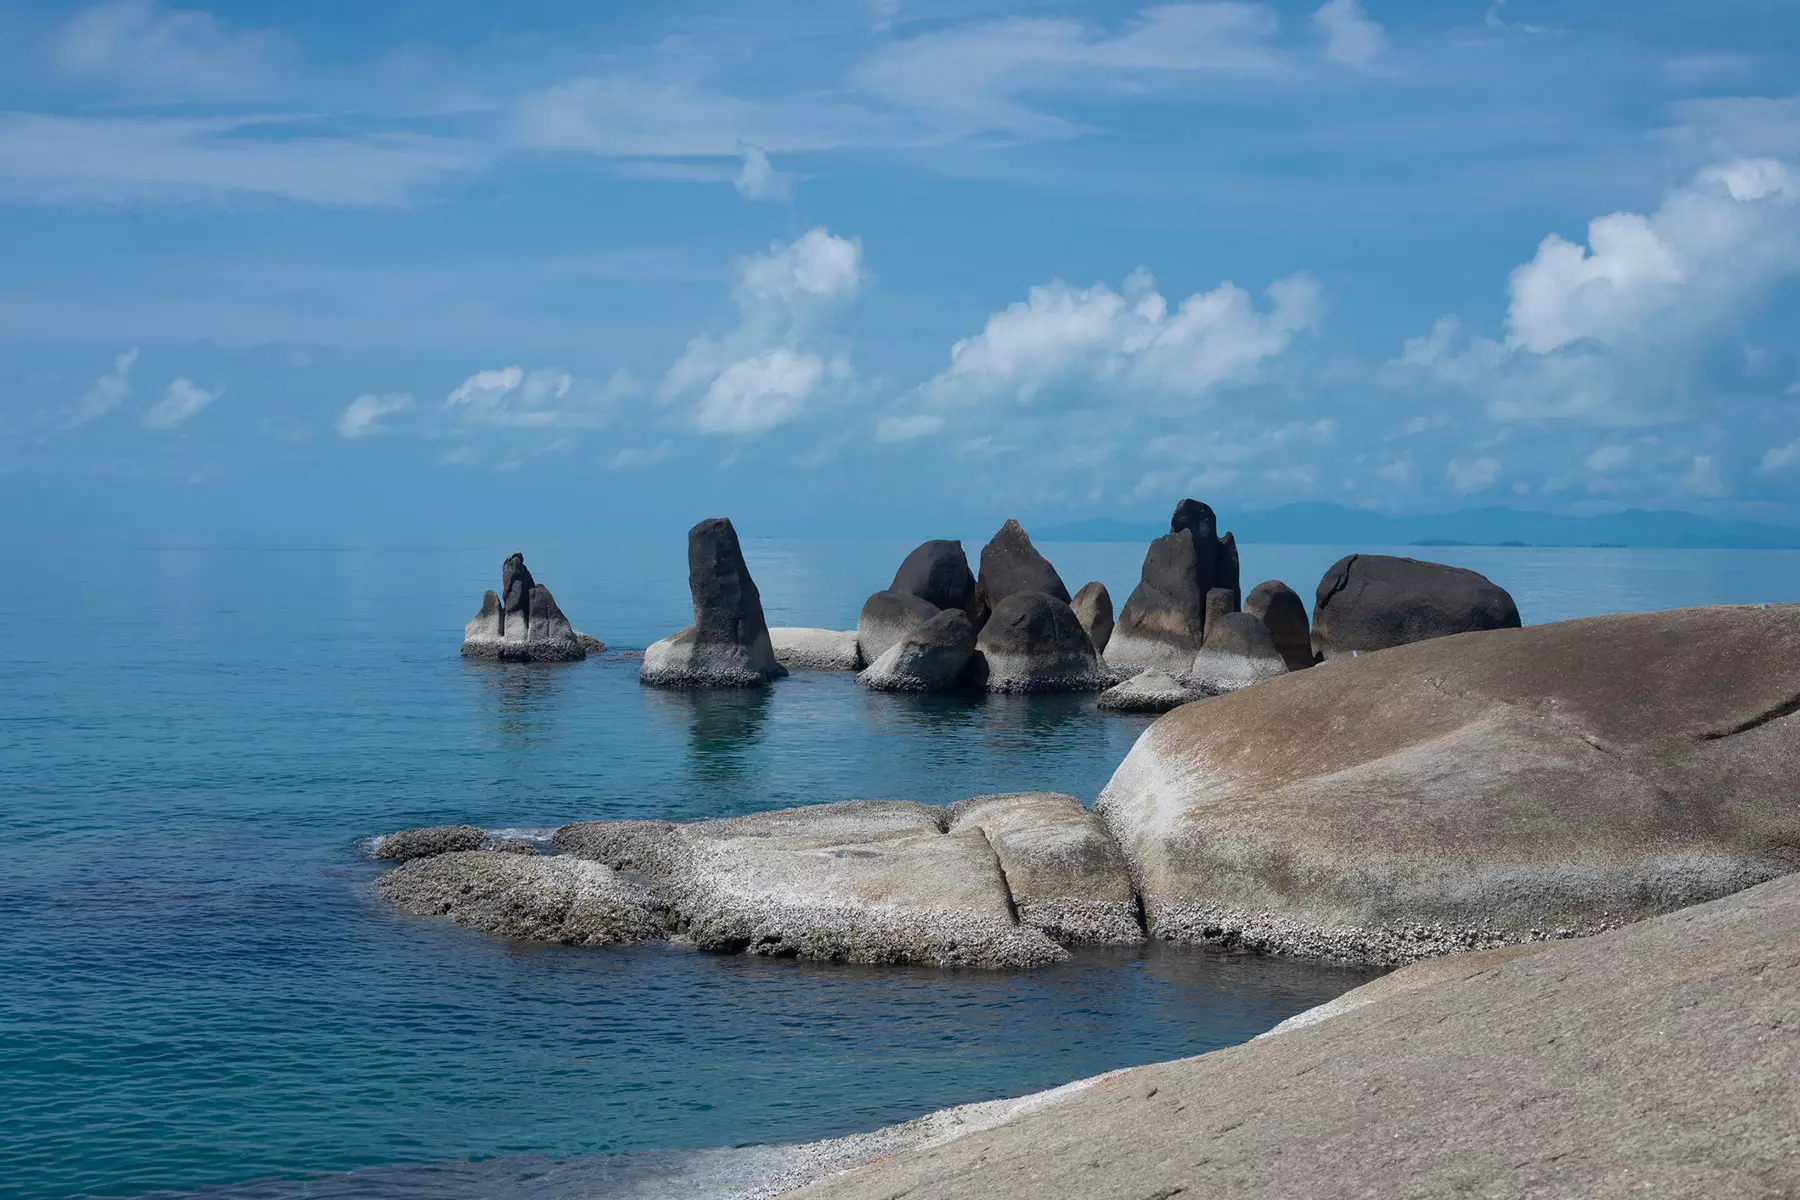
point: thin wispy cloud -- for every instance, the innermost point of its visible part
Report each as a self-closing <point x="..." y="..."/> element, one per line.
<point x="182" y="400"/>
<point x="144" y="46"/>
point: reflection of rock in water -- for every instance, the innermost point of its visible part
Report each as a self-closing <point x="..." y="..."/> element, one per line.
<point x="520" y="698"/>
<point x="724" y="725"/>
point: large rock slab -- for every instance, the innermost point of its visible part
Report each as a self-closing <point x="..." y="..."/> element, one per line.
<point x="872" y="881"/>
<point x="1010" y="564"/>
<point x="938" y="573"/>
<point x="887" y="617"/>
<point x="409" y="844"/>
<point x="1659" y="1060"/>
<point x="728" y="644"/>
<point x="815" y="649"/>
<point x="935" y="657"/>
<point x="1475" y="790"/>
<point x="526" y="897"/>
<point x="1238" y="652"/>
<point x="1063" y="870"/>
<point x="1373" y="601"/>
<point x="1163" y="623"/>
<point x="1094" y="609"/>
<point x="1033" y="642"/>
<point x="1281" y="610"/>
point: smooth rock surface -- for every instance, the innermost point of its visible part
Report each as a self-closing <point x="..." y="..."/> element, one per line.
<point x="887" y="617"/>
<point x="938" y="573"/>
<point x="409" y="844"/>
<point x="935" y="657"/>
<point x="1149" y="692"/>
<point x="1094" y="609"/>
<point x="1369" y="602"/>
<point x="1282" y="611"/>
<point x="1473" y="791"/>
<point x="1660" y="1060"/>
<point x="815" y="649"/>
<point x="1032" y="642"/>
<point x="529" y="898"/>
<point x="1063" y="869"/>
<point x="1238" y="652"/>
<point x="1163" y="623"/>
<point x="728" y="644"/>
<point x="1010" y="564"/>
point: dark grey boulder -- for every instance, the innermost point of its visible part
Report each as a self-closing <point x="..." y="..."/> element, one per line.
<point x="1283" y="613"/>
<point x="1373" y="601"/>
<point x="1010" y="564"/>
<point x="728" y="644"/>
<point x="1094" y="609"/>
<point x="1163" y="623"/>
<point x="522" y="623"/>
<point x="1033" y="642"/>
<point x="1239" y="651"/>
<point x="938" y="572"/>
<point x="887" y="617"/>
<point x="1219" y="601"/>
<point x="409" y="844"/>
<point x="935" y="657"/>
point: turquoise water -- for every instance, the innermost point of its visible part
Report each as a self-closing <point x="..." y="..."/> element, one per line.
<point x="197" y="990"/>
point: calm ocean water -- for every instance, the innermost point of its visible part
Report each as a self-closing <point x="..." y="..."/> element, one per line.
<point x="197" y="990"/>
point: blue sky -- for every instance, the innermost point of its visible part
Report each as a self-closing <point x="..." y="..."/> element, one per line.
<point x="434" y="266"/>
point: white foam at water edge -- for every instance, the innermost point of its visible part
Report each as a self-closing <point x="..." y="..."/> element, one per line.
<point x="539" y="835"/>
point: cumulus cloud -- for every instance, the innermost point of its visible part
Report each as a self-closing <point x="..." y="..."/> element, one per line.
<point x="544" y="398"/>
<point x="181" y="401"/>
<point x="780" y="360"/>
<point x="141" y="44"/>
<point x="1472" y="476"/>
<point x="1351" y="37"/>
<point x="1780" y="458"/>
<point x="759" y="180"/>
<point x="1064" y="342"/>
<point x="105" y="394"/>
<point x="363" y="416"/>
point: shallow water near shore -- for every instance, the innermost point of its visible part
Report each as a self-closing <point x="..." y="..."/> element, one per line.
<point x="198" y="991"/>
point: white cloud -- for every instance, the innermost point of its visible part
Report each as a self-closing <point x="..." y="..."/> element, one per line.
<point x="1474" y="476"/>
<point x="544" y="398"/>
<point x="778" y="361"/>
<point x="1703" y="478"/>
<point x="1095" y="341"/>
<point x="182" y="399"/>
<point x="1351" y="37"/>
<point x="141" y="44"/>
<point x="116" y="160"/>
<point x="1609" y="458"/>
<point x="759" y="180"/>
<point x="635" y="456"/>
<point x="905" y="428"/>
<point x="1780" y="458"/>
<point x="107" y="393"/>
<point x="363" y="416"/>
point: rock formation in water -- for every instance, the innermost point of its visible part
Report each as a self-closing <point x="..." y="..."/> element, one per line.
<point x="887" y="617"/>
<point x="1372" y="601"/>
<point x="1471" y="791"/>
<point x="728" y="644"/>
<point x="409" y="844"/>
<point x="938" y="573"/>
<point x="1094" y="609"/>
<point x="525" y="897"/>
<point x="815" y="649"/>
<point x="522" y="623"/>
<point x="1239" y="651"/>
<point x="935" y="657"/>
<point x="1282" y="611"/>
<point x="1150" y="691"/>
<point x="1032" y="642"/>
<point x="1010" y="564"/>
<point x="1163" y="623"/>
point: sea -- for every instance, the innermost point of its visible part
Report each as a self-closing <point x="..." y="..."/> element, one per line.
<point x="199" y="994"/>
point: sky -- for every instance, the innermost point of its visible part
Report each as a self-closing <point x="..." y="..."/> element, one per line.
<point x="882" y="263"/>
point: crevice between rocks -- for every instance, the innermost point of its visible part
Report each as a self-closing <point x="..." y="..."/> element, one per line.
<point x="1786" y="708"/>
<point x="1000" y="866"/>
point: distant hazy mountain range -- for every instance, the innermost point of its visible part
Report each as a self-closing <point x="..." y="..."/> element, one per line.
<point x="1314" y="522"/>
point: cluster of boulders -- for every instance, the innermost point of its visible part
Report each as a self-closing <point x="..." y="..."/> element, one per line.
<point x="521" y="623"/>
<point x="1461" y="792"/>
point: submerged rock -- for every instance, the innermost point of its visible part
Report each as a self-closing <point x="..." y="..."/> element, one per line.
<point x="935" y="657"/>
<point x="1283" y="613"/>
<point x="887" y="617"/>
<point x="1163" y="623"/>
<point x="1239" y="651"/>
<point x="555" y="899"/>
<point x="1473" y="791"/>
<point x="421" y="843"/>
<point x="1063" y="869"/>
<point x="1011" y="565"/>
<point x="815" y="649"/>
<point x="1150" y="692"/>
<point x="1372" y="601"/>
<point x="1094" y="609"/>
<point x="728" y="644"/>
<point x="522" y="623"/>
<point x="1033" y="642"/>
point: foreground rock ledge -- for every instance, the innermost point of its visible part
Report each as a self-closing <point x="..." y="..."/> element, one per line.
<point x="1660" y="1060"/>
<point x="1475" y="790"/>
